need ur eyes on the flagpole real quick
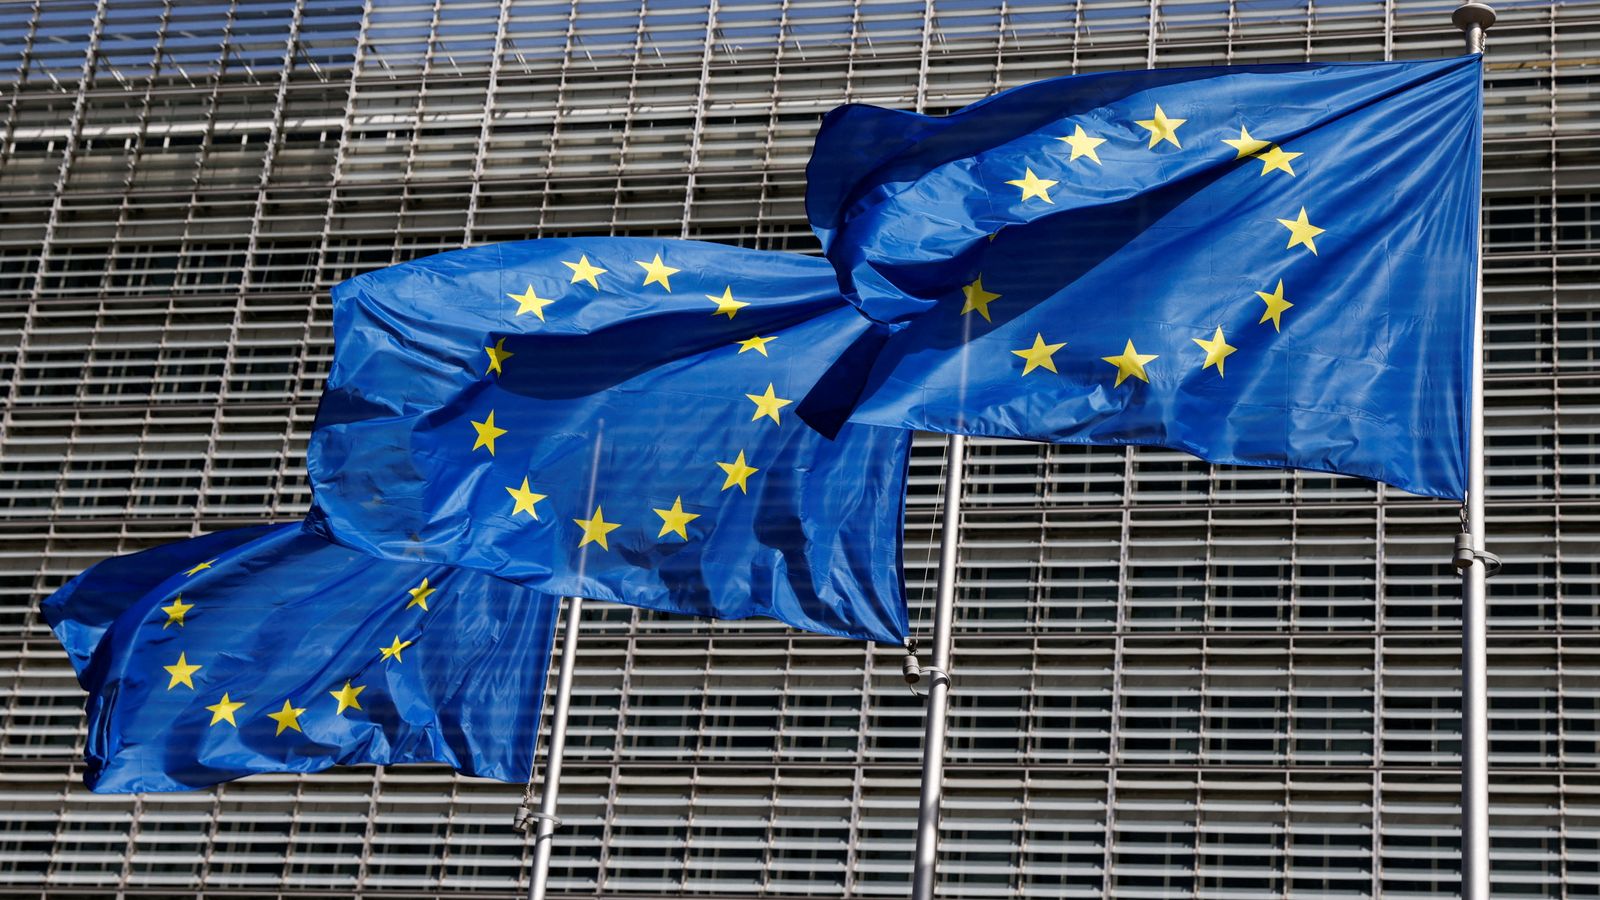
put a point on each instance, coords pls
(544, 837)
(922, 880)
(1476, 565)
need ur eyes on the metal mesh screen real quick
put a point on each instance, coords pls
(1172, 679)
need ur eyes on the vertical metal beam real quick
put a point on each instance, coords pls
(269, 153)
(486, 127)
(923, 874)
(858, 767)
(1375, 835)
(764, 197)
(25, 62)
(41, 275)
(609, 826)
(419, 120)
(58, 194)
(850, 57)
(692, 164)
(1153, 24)
(558, 110)
(1474, 19)
(1118, 655)
(264, 185)
(113, 252)
(325, 235)
(770, 853)
(922, 57)
(632, 105)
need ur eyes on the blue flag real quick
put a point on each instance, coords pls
(613, 418)
(1266, 265)
(268, 649)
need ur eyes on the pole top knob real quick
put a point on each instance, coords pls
(1468, 15)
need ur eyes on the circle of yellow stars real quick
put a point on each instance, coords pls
(1160, 129)
(767, 405)
(226, 709)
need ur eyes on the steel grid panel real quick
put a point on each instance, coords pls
(1175, 680)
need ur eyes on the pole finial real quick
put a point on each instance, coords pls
(1473, 19)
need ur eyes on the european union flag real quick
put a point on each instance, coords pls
(268, 649)
(613, 418)
(1263, 265)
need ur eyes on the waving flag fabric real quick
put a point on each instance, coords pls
(1264, 265)
(269, 649)
(614, 418)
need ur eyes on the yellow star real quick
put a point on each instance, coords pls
(420, 594)
(524, 499)
(738, 473)
(1275, 306)
(487, 432)
(347, 697)
(673, 520)
(223, 710)
(393, 650)
(978, 299)
(657, 272)
(497, 355)
(1039, 354)
(1277, 158)
(1034, 186)
(768, 405)
(757, 343)
(596, 529)
(1131, 362)
(1216, 349)
(1083, 144)
(1301, 231)
(181, 672)
(204, 565)
(582, 271)
(1246, 145)
(726, 305)
(1162, 128)
(529, 302)
(288, 717)
(175, 612)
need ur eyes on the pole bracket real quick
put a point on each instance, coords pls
(1466, 555)
(934, 674)
(527, 819)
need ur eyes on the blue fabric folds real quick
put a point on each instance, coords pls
(269, 649)
(614, 418)
(1262, 265)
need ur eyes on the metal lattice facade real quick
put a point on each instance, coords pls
(1172, 679)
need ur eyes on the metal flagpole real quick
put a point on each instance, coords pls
(1476, 565)
(544, 834)
(922, 879)
(544, 837)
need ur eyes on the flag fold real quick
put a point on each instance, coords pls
(614, 418)
(1261, 265)
(269, 649)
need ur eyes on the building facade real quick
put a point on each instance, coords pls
(1172, 679)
